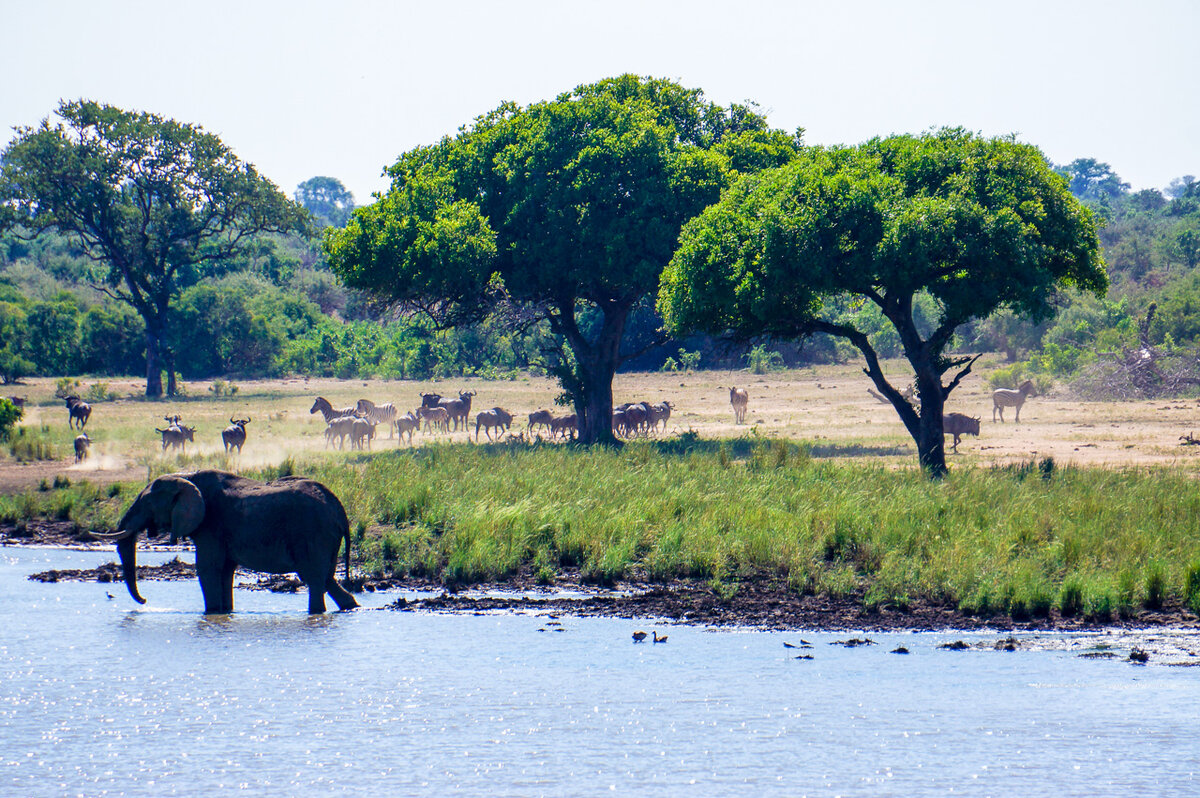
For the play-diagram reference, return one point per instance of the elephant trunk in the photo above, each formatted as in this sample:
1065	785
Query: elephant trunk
127	548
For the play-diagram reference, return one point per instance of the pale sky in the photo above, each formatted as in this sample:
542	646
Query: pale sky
303	88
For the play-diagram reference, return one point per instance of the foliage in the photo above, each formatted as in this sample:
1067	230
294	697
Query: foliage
977	224
10	414
761	360
155	201
326	199
567	210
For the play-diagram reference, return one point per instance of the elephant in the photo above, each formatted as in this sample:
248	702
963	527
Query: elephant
291	525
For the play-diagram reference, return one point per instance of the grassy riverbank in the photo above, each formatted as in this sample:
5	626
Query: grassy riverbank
1025	541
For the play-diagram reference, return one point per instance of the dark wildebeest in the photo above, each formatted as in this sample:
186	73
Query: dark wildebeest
82	442
496	417
541	418
234	436
957	424
176	436
78	412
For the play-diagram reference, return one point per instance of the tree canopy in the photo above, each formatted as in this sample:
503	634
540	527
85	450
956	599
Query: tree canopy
566	210
155	202
976	224
326	199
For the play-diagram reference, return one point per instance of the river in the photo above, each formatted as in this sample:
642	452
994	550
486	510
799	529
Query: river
100	696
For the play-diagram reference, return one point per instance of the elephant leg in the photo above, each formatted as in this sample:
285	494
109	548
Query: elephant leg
227	586
216	580
316	598
339	594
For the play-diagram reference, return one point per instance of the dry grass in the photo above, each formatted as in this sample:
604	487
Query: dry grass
827	407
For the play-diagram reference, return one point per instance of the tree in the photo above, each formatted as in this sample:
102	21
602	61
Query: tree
14	337
326	199
1092	180
979	224
564	211
155	202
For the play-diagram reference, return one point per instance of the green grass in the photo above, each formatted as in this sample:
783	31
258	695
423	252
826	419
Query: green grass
1021	541
1092	542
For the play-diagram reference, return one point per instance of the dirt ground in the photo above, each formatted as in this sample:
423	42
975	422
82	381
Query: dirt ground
828	406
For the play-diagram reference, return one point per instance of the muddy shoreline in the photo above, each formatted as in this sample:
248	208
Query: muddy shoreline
762	603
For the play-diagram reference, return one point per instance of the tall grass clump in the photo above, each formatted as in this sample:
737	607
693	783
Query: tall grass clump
1191	590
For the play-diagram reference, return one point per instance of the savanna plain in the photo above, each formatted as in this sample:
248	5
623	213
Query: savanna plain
813	513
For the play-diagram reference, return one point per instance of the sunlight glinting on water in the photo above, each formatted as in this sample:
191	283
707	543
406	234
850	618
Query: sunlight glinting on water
100	696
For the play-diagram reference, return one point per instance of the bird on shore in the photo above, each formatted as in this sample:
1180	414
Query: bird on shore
639	636
658	639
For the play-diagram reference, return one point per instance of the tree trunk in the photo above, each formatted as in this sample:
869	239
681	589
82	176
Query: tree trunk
597	362
154	388
930	439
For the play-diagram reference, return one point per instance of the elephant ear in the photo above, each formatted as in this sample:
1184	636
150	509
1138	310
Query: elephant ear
186	503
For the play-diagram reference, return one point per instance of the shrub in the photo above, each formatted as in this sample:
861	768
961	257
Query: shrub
99	392
760	360
10	414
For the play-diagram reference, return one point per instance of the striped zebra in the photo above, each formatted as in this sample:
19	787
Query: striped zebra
378	414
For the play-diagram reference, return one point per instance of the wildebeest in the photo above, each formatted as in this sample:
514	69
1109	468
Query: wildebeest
82	442
1003	397
660	412
460	408
564	426
339	428
78	412
361	430
405	425
541	418
437	418
176	436
235	434
740	400
957	424
496	417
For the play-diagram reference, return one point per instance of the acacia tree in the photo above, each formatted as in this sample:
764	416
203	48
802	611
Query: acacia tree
978	224
567	209
155	202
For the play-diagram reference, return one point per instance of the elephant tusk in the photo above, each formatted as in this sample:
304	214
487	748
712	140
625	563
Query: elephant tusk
120	534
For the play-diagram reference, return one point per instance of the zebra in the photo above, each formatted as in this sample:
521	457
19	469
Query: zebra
378	414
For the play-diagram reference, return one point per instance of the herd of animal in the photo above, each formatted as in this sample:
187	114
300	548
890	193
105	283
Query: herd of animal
446	414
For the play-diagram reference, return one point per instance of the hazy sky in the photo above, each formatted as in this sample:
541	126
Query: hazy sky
304	88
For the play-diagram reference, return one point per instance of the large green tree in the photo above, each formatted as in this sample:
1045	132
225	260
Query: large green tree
566	210
155	202
978	224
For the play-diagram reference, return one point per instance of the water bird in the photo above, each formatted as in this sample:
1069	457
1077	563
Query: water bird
658	639
639	636
803	644
110	595
899	650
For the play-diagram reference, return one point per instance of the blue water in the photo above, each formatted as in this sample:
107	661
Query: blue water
99	697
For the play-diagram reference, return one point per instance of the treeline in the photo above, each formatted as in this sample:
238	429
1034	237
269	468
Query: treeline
1151	244
279	310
